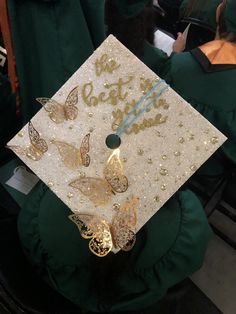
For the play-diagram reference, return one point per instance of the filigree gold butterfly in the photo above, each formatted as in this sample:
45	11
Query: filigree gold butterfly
60	112
104	236
71	156
36	149
100	190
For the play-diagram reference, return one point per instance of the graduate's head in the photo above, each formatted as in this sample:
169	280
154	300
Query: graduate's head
226	20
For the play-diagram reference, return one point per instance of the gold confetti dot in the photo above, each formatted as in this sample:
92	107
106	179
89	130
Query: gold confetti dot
156	198
140	151
163	172
181	140
20	134
70	195
116	206
163	187
214	140
164	157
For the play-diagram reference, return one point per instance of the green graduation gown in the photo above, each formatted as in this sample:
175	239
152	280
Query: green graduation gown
51	40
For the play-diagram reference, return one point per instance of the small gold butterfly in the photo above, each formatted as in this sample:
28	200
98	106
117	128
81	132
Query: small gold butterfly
100	190
37	148
60	112
73	157
119	234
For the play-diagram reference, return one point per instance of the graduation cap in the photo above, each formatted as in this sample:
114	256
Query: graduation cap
114	144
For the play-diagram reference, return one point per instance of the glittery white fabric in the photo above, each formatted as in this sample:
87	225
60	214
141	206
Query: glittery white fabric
164	147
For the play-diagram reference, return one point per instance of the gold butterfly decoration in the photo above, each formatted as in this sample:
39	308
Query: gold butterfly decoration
36	149
100	190
58	113
73	157
119	234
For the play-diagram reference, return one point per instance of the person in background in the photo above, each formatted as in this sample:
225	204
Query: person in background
206	78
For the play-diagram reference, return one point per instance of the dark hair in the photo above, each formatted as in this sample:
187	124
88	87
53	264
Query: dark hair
222	27
132	32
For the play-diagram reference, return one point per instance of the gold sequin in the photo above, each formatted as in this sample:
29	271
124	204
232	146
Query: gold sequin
163	172
193	167
164	157
20	134
163	187
181	140
116	206
50	183
214	140
177	153
90	114
140	151
70	195
82	174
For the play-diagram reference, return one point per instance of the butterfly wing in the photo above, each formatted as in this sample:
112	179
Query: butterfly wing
114	175
37	142
84	149
124	223
70	155
71	111
56	110
97	230
97	190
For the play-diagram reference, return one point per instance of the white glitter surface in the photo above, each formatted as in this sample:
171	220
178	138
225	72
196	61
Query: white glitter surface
175	148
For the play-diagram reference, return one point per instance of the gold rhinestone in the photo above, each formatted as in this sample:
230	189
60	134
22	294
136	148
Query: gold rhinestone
163	187
181	140
214	140
164	157
20	134
140	151
177	153
193	167
156	198
91	130
116	206
163	172
50	183
124	159
149	160
90	114
70	195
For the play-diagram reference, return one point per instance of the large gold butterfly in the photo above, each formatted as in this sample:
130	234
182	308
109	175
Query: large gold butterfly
73	157
100	190
37	147
119	234
60	112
